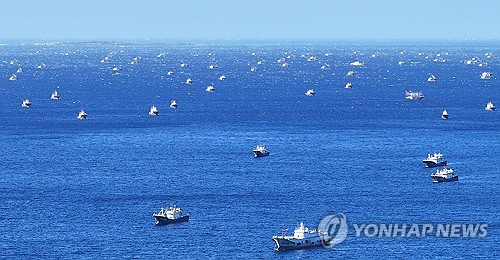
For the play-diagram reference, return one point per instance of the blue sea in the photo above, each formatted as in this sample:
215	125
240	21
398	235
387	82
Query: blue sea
87	188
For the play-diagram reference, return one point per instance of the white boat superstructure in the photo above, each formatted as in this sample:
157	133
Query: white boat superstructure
414	95
55	95
490	106
82	115
26	103
153	111
310	93
303	237
444	175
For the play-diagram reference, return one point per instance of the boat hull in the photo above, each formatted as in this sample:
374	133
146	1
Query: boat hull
160	220
283	244
429	164
442	179
261	154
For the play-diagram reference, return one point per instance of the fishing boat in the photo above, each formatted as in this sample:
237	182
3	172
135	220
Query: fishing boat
348	85
13	77
444	175
432	78
189	81
82	115
55	95
153	111
310	93
19	71
222	77
490	106
414	95
350	73
26	103
434	160
173	104
260	151
210	89
486	75
303	237
171	215
444	115
357	64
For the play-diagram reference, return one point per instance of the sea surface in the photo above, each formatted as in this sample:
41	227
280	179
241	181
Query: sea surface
87	188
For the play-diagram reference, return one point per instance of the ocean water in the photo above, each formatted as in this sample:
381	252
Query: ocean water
87	189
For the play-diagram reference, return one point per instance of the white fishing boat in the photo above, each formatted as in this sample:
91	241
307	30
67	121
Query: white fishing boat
189	81
173	104
210	89
253	69
13	77
303	237
170	73
401	63
222	77
116	69
414	95
445	115
170	216
310	92
82	115
184	65
55	95
285	65
434	160
311	58
260	151
350	73
357	64
486	75
325	67
213	67
348	85
432	78
42	66
490	106
19	71
153	111
26	103
161	55
445	175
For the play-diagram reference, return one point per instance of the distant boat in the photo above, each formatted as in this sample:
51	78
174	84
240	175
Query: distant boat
434	160
161	55
173	104
153	111
42	66
490	106
285	65
210	89
170	73
189	81
348	85
357	64
303	237
401	63
432	78
105	60
260	151
325	67
19	71
414	95
486	75
253	69
170	216
222	77
444	115
213	67
55	95
82	115
444	175
13	77
184	65
116	69
350	73
261	62
311	58
310	92
26	103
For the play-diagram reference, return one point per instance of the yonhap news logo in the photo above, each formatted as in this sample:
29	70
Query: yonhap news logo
334	229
